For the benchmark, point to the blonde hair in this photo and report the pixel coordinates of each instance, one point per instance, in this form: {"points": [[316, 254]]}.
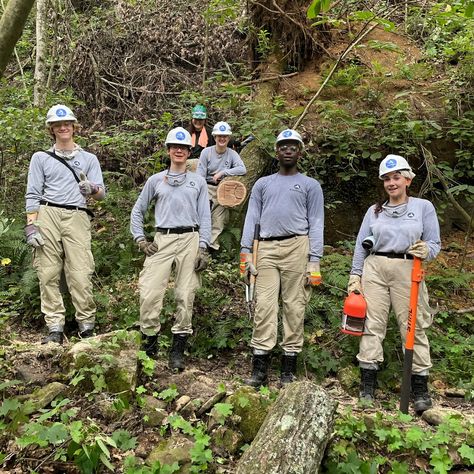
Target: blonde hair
{"points": [[407, 174], [76, 126]]}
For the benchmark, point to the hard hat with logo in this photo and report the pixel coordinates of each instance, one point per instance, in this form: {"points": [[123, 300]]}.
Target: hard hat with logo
{"points": [[393, 163], [199, 112], [60, 113], [289, 134], [221, 128], [178, 136]]}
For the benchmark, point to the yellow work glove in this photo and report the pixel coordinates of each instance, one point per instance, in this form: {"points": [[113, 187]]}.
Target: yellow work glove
{"points": [[247, 268], [354, 284], [313, 274], [419, 249]]}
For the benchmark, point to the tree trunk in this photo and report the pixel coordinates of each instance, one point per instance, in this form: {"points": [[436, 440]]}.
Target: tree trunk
{"points": [[41, 50], [294, 435], [11, 26]]}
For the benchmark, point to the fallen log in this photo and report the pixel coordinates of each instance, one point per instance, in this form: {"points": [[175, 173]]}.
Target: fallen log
{"points": [[294, 435]]}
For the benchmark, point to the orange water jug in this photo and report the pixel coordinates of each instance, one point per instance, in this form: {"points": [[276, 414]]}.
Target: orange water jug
{"points": [[354, 312]]}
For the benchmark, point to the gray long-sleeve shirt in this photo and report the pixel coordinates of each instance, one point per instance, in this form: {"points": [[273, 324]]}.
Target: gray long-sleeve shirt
{"points": [[50, 180], [396, 234], [286, 205], [186, 205], [211, 162]]}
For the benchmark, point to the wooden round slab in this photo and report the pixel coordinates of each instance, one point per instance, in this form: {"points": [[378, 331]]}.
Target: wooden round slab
{"points": [[231, 193]]}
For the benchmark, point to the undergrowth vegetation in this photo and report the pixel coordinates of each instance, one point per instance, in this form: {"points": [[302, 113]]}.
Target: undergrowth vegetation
{"points": [[365, 112]]}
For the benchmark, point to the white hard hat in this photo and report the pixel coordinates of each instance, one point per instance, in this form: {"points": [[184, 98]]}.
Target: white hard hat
{"points": [[178, 136], [60, 113], [221, 128], [289, 134], [393, 163]]}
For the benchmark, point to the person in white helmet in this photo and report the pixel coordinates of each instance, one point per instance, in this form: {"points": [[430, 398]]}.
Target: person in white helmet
{"points": [[60, 181], [289, 208], [392, 232], [215, 163], [183, 232]]}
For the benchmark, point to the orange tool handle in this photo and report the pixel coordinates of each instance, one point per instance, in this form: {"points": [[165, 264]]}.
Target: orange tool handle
{"points": [[416, 278]]}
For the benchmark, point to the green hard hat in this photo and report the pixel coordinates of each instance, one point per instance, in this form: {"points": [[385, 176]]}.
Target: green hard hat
{"points": [[199, 112]]}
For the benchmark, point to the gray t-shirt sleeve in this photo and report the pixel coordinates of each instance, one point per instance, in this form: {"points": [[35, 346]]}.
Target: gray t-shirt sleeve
{"points": [[35, 184], [359, 252], [315, 207], [254, 211], [237, 167], [431, 232], [201, 169], [137, 215], [204, 213]]}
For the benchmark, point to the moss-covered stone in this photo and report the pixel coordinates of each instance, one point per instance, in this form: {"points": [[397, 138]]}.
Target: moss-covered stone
{"points": [[349, 378], [175, 449], [110, 357], [226, 441], [153, 411], [42, 397], [252, 413]]}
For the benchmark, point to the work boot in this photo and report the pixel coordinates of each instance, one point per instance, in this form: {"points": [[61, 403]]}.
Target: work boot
{"points": [[53, 336], [368, 382], [260, 364], [419, 389], [176, 358], [288, 368], [86, 333], [150, 344]]}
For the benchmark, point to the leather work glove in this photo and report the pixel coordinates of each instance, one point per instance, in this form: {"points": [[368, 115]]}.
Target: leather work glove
{"points": [[354, 284], [86, 187], [148, 248], [247, 268], [419, 249], [313, 274], [202, 260], [33, 236]]}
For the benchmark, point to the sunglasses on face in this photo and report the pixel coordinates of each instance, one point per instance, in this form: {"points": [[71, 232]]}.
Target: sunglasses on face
{"points": [[292, 148]]}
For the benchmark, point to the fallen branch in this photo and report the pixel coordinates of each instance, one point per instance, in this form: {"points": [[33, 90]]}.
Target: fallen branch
{"points": [[265, 79], [465, 310]]}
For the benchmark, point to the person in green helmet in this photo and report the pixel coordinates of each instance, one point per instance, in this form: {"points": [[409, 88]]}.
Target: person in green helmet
{"points": [[201, 134]]}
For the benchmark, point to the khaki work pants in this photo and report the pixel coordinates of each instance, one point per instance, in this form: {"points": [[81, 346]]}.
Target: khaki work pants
{"points": [[386, 283], [281, 266], [182, 251], [67, 237], [219, 217]]}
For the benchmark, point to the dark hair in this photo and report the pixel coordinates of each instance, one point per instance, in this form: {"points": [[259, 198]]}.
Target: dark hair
{"points": [[191, 129]]}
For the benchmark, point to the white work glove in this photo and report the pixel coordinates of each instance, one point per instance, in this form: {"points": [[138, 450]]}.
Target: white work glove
{"points": [[33, 236], [246, 267], [148, 248], [202, 260], [86, 187], [313, 274], [354, 284], [419, 249]]}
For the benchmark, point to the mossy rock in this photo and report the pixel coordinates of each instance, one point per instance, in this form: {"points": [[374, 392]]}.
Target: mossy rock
{"points": [[42, 397], [349, 378], [226, 441], [171, 450], [252, 413], [109, 358]]}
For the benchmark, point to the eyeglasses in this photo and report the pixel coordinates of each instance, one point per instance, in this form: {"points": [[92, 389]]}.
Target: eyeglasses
{"points": [[292, 148], [179, 147]]}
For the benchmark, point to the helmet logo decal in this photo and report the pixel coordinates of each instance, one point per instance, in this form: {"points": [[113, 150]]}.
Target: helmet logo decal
{"points": [[180, 136], [222, 128], [61, 113], [287, 133], [391, 163]]}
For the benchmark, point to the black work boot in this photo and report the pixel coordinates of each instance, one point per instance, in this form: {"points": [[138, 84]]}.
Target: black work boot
{"points": [[288, 368], [53, 336], [176, 359], [150, 344], [421, 396], [368, 383], [260, 364], [86, 333]]}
